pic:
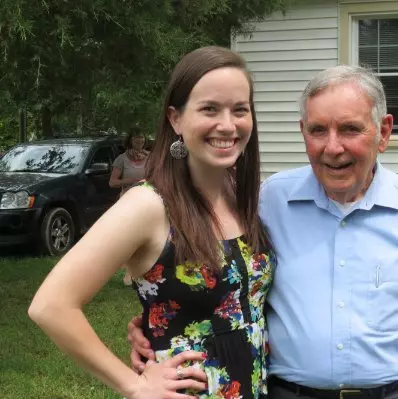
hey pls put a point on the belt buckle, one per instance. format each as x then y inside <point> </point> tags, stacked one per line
<point>348,391</point>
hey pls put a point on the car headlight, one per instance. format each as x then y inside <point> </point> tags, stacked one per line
<point>19,200</point>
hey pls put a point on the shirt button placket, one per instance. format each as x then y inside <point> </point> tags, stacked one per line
<point>341,285</point>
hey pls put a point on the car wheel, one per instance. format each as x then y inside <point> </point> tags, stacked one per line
<point>57,231</point>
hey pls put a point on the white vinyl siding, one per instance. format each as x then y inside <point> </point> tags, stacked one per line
<point>283,53</point>
<point>389,159</point>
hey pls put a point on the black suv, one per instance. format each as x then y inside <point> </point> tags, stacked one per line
<point>52,191</point>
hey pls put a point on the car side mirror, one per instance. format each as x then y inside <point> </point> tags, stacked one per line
<point>97,169</point>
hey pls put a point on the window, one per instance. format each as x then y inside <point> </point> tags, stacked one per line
<point>119,150</point>
<point>377,48</point>
<point>44,158</point>
<point>102,155</point>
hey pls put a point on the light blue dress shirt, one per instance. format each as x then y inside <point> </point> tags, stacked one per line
<point>333,318</point>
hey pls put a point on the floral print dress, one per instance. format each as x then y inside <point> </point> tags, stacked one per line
<point>188,307</point>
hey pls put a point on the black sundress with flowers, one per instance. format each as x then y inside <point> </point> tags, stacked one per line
<point>188,307</point>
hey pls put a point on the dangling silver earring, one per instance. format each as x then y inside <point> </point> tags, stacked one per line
<point>178,149</point>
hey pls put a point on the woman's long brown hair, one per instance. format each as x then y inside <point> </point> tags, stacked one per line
<point>190,214</point>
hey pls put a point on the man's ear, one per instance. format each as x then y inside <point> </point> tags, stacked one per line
<point>174,118</point>
<point>302,126</point>
<point>385,131</point>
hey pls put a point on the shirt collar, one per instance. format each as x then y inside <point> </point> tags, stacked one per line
<point>309,189</point>
<point>383,191</point>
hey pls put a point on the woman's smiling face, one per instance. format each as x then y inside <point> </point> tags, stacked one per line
<point>216,122</point>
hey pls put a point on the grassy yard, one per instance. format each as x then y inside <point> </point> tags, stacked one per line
<point>31,367</point>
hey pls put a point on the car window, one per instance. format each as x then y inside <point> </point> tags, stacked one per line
<point>102,155</point>
<point>44,158</point>
<point>119,150</point>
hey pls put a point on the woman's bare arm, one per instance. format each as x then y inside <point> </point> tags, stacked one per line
<point>57,306</point>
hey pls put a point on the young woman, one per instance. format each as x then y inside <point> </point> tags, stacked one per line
<point>192,240</point>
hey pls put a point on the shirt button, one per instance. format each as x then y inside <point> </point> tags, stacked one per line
<point>340,346</point>
<point>341,304</point>
<point>342,263</point>
<point>343,223</point>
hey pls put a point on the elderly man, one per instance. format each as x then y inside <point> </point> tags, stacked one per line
<point>333,309</point>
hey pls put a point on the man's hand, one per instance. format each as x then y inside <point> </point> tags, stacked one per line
<point>140,346</point>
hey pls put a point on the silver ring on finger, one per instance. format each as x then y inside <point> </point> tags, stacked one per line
<point>180,373</point>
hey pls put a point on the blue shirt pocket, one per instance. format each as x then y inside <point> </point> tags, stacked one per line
<point>383,296</point>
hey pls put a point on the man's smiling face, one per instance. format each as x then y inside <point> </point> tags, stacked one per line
<point>342,140</point>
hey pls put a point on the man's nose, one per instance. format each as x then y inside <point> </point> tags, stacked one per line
<point>333,145</point>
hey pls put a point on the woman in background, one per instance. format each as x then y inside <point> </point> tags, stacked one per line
<point>129,167</point>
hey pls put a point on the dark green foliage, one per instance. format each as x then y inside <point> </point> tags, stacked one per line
<point>93,64</point>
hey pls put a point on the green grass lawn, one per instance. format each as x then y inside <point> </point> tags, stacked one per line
<point>31,366</point>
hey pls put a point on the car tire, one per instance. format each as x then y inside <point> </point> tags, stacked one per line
<point>57,231</point>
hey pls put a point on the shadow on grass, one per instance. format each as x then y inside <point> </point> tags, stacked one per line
<point>17,252</point>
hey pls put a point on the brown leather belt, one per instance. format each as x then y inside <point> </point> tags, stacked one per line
<point>345,393</point>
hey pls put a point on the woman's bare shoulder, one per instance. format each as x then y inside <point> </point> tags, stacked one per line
<point>143,200</point>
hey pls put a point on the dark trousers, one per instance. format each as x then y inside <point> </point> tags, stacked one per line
<point>278,392</point>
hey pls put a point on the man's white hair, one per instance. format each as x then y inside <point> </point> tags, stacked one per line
<point>337,75</point>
